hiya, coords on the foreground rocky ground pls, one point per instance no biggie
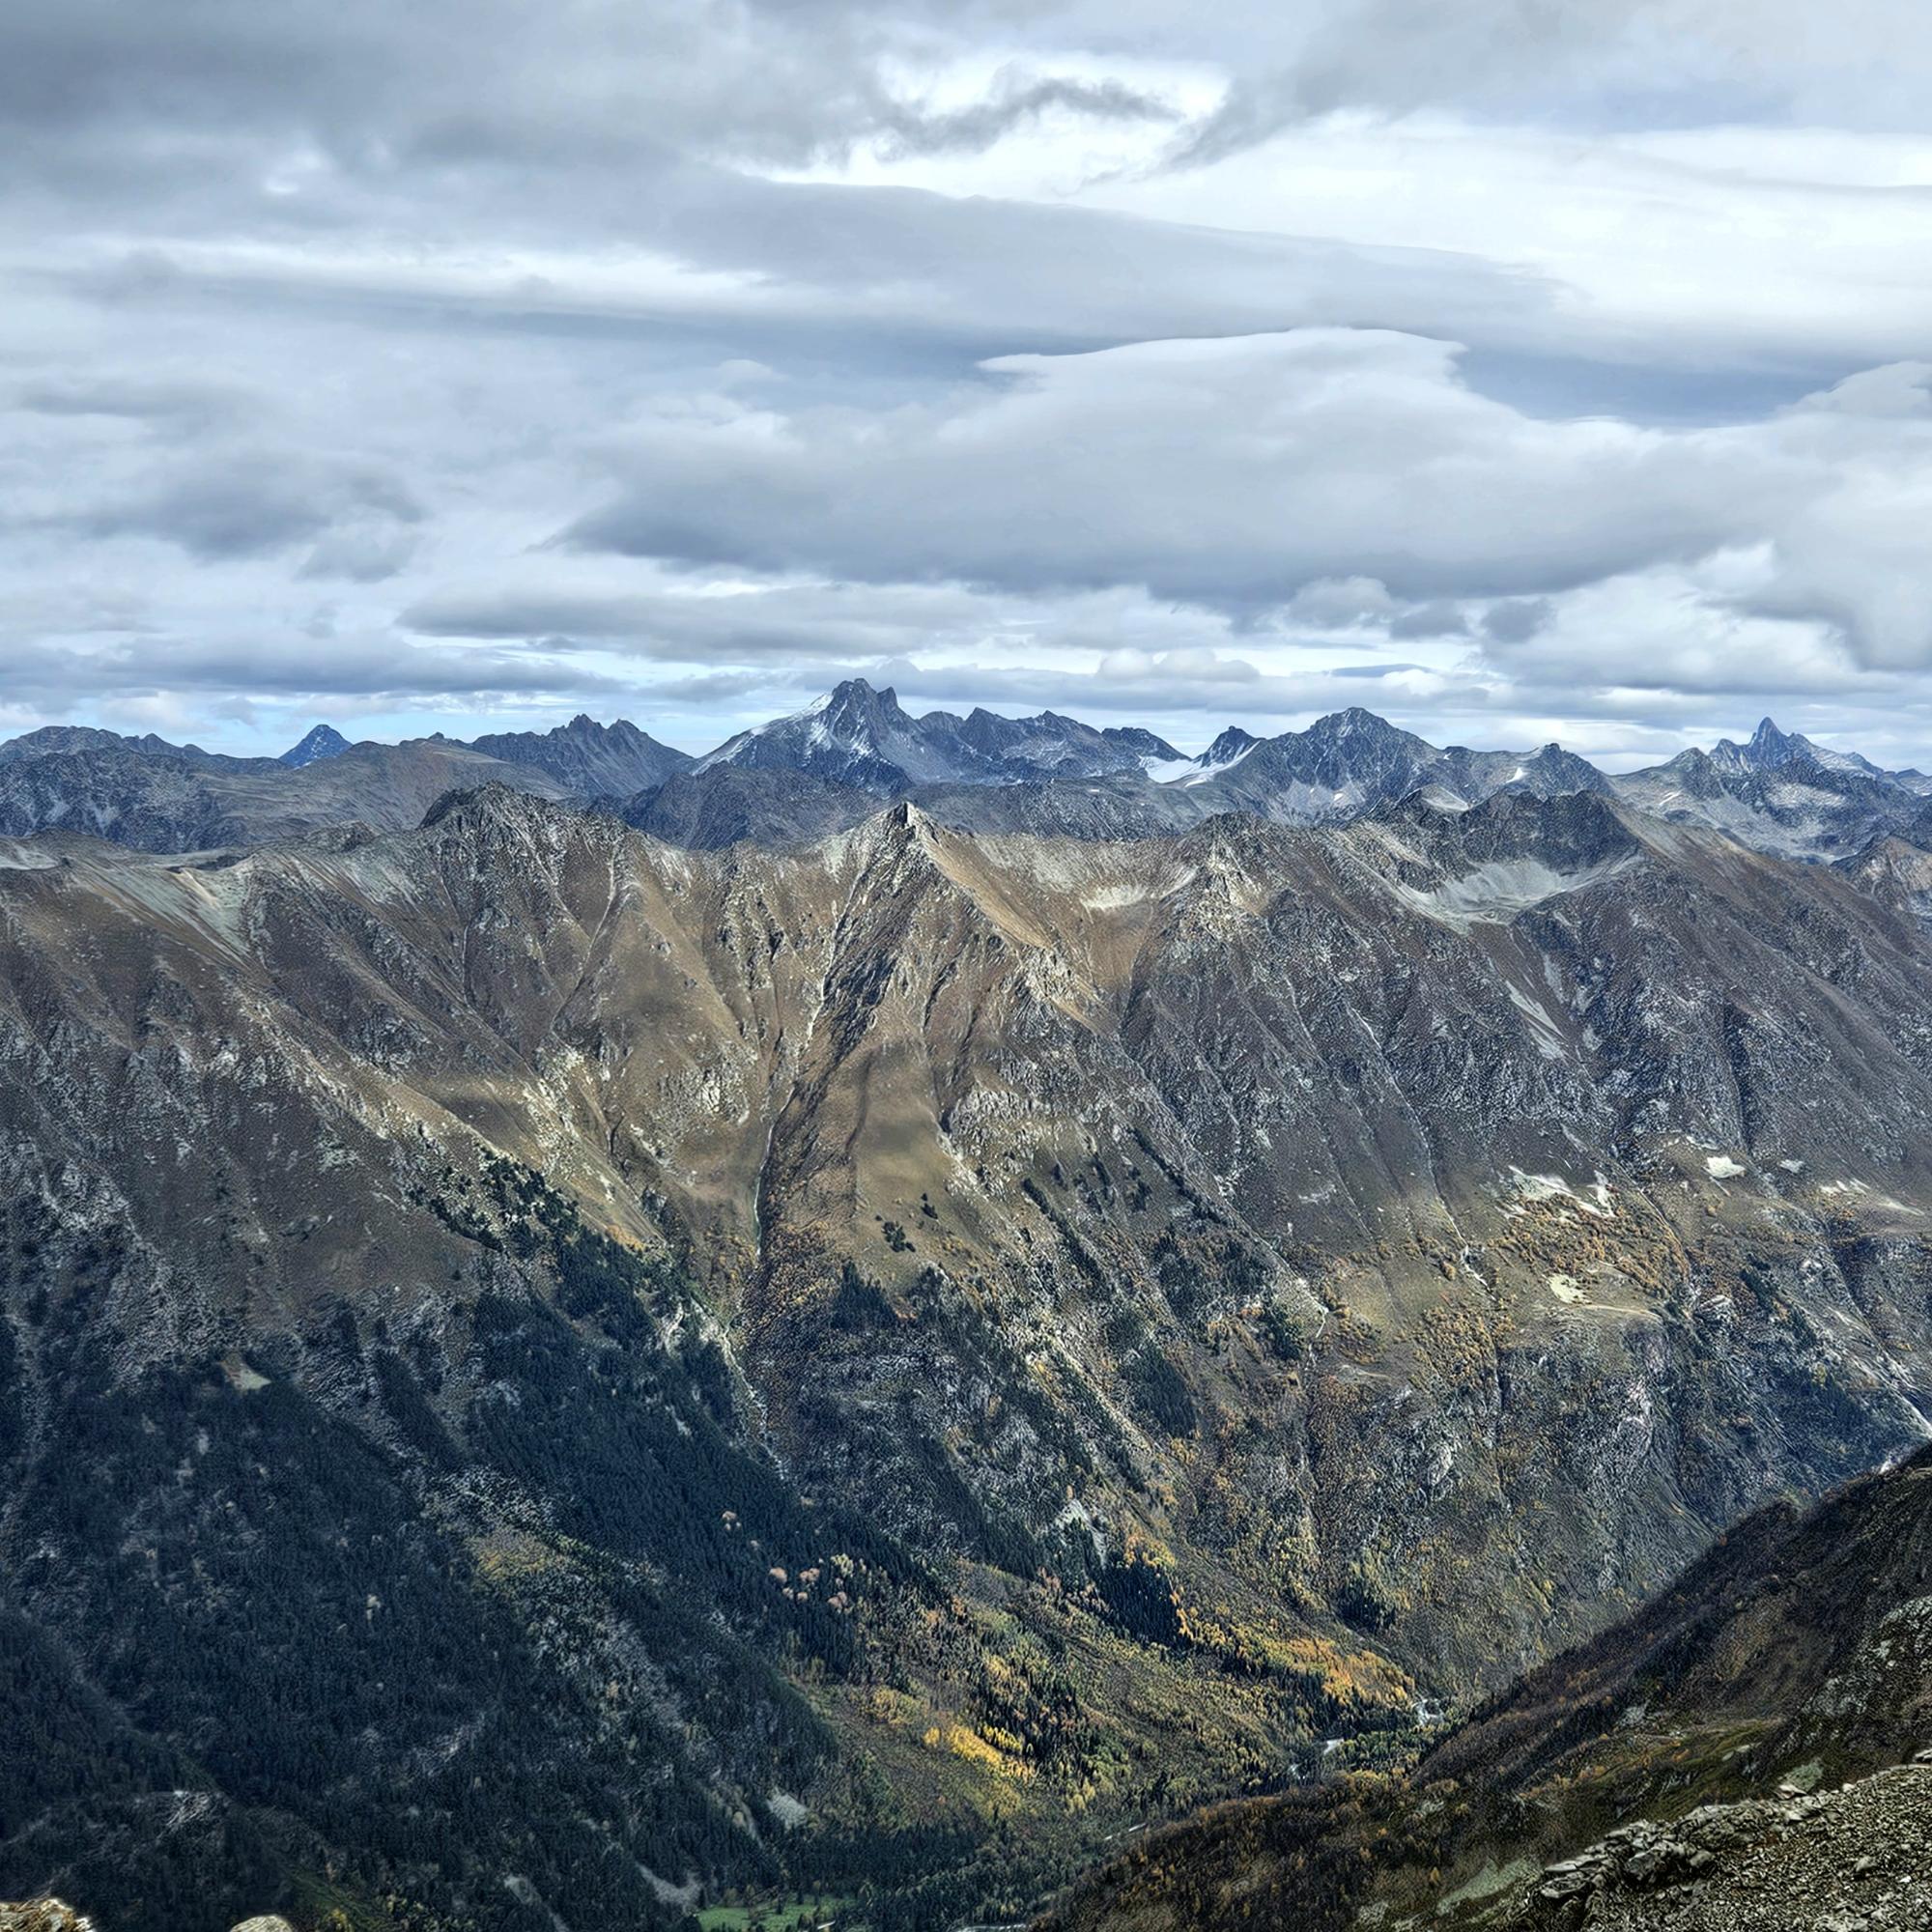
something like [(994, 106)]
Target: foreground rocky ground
[(1856, 1860), (51, 1915)]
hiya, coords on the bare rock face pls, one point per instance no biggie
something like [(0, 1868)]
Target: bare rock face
[(43, 1915), (49, 1915), (1855, 1860)]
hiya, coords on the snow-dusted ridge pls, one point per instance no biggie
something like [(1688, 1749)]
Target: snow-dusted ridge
[(1777, 792)]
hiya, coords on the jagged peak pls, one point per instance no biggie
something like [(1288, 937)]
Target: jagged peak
[(853, 701), (897, 832), (318, 742), (1767, 748), (1229, 746), (1357, 721), (581, 726), (857, 690), (1556, 759)]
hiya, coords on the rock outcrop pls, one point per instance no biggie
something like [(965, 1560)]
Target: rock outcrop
[(1858, 1858), (43, 1915)]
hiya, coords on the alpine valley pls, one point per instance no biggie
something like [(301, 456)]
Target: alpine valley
[(596, 1338)]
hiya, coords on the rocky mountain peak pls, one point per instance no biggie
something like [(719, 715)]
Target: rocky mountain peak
[(1550, 769), (857, 735), (857, 708), (1141, 742), (1360, 729), (1769, 749), (1564, 832), (1769, 746), (320, 741), (493, 806), (1342, 764), (1229, 746), (1698, 772), (592, 760), (1345, 724), (1048, 745)]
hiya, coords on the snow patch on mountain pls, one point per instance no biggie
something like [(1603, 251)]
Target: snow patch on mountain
[(1496, 893), (1196, 771)]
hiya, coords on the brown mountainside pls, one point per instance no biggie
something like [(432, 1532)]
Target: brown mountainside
[(1257, 1278)]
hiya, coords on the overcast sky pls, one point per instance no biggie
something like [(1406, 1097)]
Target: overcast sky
[(1516, 368)]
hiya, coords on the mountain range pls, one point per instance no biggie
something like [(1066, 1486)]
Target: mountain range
[(831, 764), (881, 1309)]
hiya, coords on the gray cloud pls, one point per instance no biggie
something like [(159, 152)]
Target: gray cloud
[(1516, 620), (1017, 98), (111, 101), (1243, 475), (1436, 619), (1595, 62), (372, 669), (249, 502), (798, 627), (370, 552), (1229, 474), (141, 397)]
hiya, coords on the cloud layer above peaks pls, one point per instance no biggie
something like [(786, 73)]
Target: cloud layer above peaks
[(1517, 370)]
